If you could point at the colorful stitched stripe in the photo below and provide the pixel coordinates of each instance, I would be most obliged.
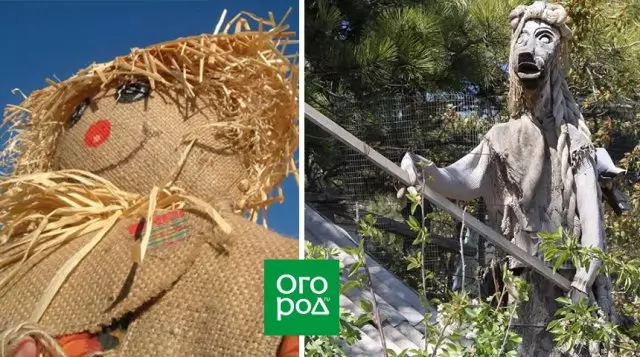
(168, 228)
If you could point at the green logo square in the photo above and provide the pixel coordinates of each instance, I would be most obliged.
(301, 297)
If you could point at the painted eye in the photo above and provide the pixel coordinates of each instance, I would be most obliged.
(132, 92)
(78, 112)
(545, 37)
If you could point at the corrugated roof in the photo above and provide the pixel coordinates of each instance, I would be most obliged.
(399, 306)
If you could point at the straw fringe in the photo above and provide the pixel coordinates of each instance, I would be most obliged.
(138, 255)
(68, 267)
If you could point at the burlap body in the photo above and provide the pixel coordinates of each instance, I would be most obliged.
(93, 294)
(196, 299)
(216, 308)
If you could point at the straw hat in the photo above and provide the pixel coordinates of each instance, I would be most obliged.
(128, 184)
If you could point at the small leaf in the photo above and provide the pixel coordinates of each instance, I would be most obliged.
(414, 205)
(350, 250)
(349, 285)
(413, 223)
(362, 320)
(366, 305)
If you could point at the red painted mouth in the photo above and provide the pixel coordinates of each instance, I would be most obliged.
(97, 133)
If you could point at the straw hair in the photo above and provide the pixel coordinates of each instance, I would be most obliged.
(226, 71)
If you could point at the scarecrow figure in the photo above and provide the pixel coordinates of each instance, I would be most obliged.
(537, 172)
(122, 226)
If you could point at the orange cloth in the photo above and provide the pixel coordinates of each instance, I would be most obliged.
(288, 347)
(82, 344)
(79, 345)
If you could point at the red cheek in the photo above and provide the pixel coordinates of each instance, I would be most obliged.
(97, 133)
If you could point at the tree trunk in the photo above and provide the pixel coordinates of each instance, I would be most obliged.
(535, 315)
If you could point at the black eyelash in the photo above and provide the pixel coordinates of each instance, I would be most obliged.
(132, 92)
(78, 112)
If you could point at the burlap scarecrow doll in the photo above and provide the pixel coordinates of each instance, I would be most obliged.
(124, 224)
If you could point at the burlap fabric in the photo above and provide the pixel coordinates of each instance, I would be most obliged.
(216, 308)
(146, 141)
(105, 285)
(194, 298)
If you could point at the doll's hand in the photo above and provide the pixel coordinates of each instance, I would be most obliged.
(26, 348)
(408, 165)
(77, 345)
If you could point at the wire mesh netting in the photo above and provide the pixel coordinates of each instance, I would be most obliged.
(440, 127)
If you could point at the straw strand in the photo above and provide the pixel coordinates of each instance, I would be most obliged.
(67, 268)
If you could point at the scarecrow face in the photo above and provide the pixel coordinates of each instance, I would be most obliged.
(134, 138)
(534, 51)
(106, 130)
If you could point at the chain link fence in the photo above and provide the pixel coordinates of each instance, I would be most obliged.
(440, 127)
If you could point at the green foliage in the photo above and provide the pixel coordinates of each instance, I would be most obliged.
(472, 327)
(466, 326)
(391, 249)
(463, 326)
(623, 238)
(560, 248)
(320, 346)
(367, 48)
(578, 324)
(605, 54)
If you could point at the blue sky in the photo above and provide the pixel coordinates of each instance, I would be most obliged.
(44, 38)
